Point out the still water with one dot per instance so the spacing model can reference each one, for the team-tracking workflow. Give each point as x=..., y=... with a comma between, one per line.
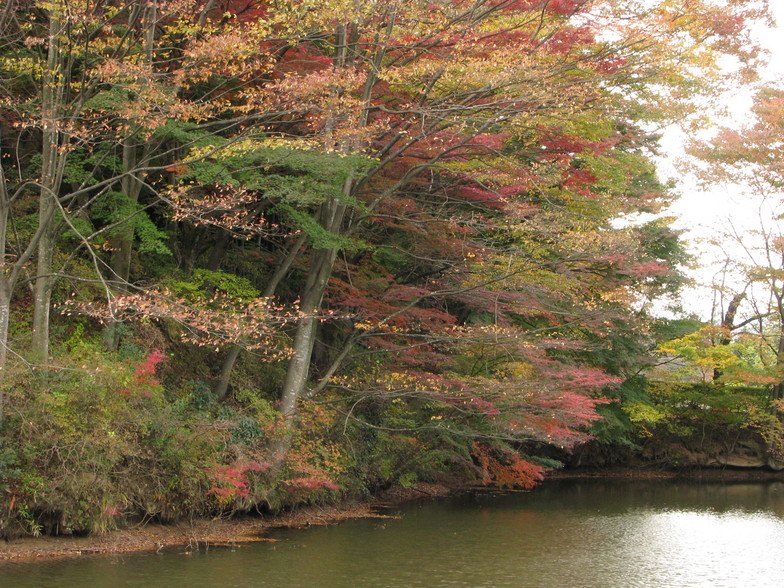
x=601, y=534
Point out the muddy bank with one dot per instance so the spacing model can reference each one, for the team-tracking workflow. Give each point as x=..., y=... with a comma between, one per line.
x=200, y=534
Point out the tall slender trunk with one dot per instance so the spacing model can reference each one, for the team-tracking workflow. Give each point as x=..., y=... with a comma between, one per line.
x=42, y=297
x=305, y=335
x=9, y=277
x=778, y=389
x=331, y=215
x=52, y=160
x=5, y=315
x=6, y=288
x=44, y=282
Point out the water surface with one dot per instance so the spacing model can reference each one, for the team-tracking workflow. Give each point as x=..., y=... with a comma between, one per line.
x=601, y=534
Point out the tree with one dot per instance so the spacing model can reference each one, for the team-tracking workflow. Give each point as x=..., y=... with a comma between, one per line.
x=418, y=179
x=92, y=93
x=464, y=109
x=740, y=355
x=751, y=158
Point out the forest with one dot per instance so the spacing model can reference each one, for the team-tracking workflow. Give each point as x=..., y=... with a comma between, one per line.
x=261, y=253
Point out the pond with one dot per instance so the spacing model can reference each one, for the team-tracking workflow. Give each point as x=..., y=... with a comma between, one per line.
x=570, y=533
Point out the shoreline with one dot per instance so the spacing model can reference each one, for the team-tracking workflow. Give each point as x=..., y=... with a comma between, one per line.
x=202, y=533
x=726, y=474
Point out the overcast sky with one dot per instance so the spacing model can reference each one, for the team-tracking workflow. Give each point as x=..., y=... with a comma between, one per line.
x=702, y=213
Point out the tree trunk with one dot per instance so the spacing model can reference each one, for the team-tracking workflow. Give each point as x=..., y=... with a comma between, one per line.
x=330, y=217
x=778, y=389
x=305, y=336
x=6, y=287
x=9, y=276
x=52, y=163
x=5, y=315
x=131, y=186
x=728, y=323
x=42, y=297
x=221, y=388
x=218, y=251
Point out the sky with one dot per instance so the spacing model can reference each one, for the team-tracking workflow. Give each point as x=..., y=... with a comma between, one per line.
x=704, y=213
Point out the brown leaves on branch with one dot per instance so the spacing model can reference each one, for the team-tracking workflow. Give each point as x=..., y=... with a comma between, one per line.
x=256, y=324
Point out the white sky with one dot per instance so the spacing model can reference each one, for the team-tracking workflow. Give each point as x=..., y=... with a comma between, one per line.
x=704, y=214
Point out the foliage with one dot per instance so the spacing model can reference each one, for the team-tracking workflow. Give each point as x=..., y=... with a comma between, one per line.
x=99, y=445
x=709, y=383
x=507, y=469
x=407, y=211
x=703, y=352
x=751, y=156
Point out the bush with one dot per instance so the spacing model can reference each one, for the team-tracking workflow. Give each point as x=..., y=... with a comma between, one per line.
x=99, y=444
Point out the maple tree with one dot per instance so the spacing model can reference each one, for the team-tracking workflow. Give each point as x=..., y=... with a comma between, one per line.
x=441, y=114
x=750, y=154
x=463, y=120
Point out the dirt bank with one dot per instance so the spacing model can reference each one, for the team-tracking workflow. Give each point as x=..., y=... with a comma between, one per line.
x=200, y=534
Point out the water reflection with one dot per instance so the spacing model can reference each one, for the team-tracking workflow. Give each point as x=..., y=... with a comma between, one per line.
x=702, y=546
x=566, y=534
